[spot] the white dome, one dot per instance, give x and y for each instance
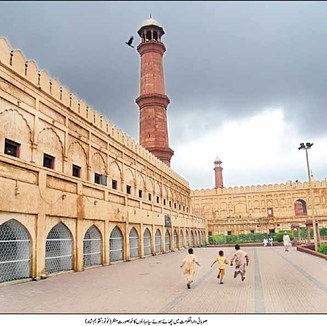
(149, 22)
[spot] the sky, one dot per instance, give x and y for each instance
(246, 80)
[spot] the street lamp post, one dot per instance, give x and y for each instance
(306, 147)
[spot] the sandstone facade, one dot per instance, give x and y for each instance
(263, 208)
(74, 185)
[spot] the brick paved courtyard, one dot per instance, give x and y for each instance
(276, 282)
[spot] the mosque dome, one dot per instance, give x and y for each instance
(150, 22)
(218, 160)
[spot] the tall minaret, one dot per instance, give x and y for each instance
(218, 173)
(153, 101)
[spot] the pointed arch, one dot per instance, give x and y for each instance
(115, 170)
(187, 239)
(15, 251)
(129, 177)
(50, 143)
(77, 155)
(157, 189)
(116, 244)
(167, 241)
(147, 242)
(191, 238)
(175, 239)
(92, 247)
(98, 163)
(59, 249)
(158, 241)
(52, 132)
(13, 123)
(164, 195)
(141, 183)
(115, 175)
(133, 243)
(14, 127)
(181, 239)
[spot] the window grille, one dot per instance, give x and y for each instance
(92, 247)
(175, 239)
(133, 244)
(116, 245)
(181, 240)
(15, 252)
(59, 250)
(167, 241)
(158, 241)
(147, 242)
(192, 240)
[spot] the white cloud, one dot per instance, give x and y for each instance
(261, 149)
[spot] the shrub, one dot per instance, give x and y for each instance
(217, 239)
(279, 236)
(242, 238)
(323, 231)
(323, 248)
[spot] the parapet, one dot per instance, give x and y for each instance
(289, 185)
(28, 70)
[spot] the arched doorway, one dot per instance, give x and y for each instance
(175, 239)
(133, 243)
(116, 245)
(147, 242)
(59, 250)
(167, 241)
(158, 241)
(187, 239)
(192, 239)
(15, 252)
(92, 247)
(181, 239)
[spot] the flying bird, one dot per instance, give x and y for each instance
(130, 41)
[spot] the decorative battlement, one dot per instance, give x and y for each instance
(289, 185)
(28, 70)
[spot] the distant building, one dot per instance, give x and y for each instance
(262, 208)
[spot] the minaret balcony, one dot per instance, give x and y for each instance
(153, 99)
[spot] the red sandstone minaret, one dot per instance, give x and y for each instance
(218, 173)
(153, 101)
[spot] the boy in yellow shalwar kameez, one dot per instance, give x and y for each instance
(189, 261)
(222, 261)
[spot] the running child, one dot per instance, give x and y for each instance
(189, 261)
(222, 261)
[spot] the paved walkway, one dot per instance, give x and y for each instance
(276, 282)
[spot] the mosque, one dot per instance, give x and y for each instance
(77, 192)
